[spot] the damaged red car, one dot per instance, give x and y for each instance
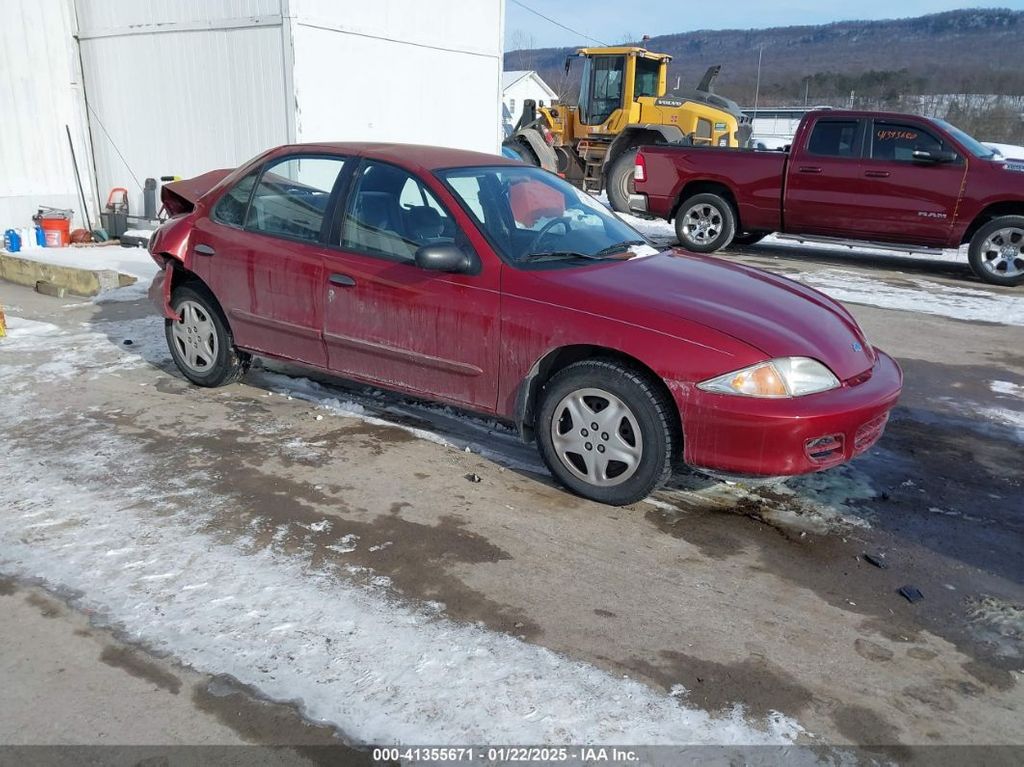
(478, 281)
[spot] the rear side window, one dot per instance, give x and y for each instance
(292, 195)
(898, 141)
(833, 138)
(231, 207)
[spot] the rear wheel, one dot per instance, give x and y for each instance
(200, 341)
(606, 432)
(619, 180)
(705, 223)
(996, 252)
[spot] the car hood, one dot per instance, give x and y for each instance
(780, 317)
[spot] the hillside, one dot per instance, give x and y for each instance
(966, 51)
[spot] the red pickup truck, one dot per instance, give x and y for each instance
(887, 179)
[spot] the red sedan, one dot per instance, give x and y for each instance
(478, 281)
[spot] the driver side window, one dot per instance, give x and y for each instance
(391, 214)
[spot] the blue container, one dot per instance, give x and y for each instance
(40, 236)
(12, 241)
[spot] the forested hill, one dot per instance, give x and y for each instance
(966, 51)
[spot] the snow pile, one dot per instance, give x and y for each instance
(132, 261)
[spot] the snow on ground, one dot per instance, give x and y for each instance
(87, 517)
(1008, 388)
(959, 303)
(133, 261)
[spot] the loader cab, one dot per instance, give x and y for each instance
(613, 79)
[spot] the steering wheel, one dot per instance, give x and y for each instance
(544, 230)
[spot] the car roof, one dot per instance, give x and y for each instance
(860, 114)
(411, 156)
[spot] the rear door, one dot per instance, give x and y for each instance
(390, 322)
(904, 199)
(820, 194)
(260, 252)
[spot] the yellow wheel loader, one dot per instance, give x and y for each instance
(623, 105)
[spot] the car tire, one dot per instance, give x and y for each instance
(748, 238)
(705, 223)
(999, 243)
(200, 340)
(619, 180)
(642, 430)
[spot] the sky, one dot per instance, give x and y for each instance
(611, 21)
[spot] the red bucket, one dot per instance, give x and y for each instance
(57, 231)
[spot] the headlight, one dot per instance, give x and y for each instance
(783, 377)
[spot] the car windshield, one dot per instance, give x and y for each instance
(969, 143)
(532, 216)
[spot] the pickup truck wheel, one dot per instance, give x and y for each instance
(619, 180)
(607, 432)
(200, 340)
(996, 252)
(705, 223)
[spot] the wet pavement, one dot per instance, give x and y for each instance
(719, 594)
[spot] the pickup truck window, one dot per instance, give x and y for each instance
(897, 141)
(972, 144)
(833, 138)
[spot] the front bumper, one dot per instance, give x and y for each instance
(781, 437)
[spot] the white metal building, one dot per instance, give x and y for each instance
(179, 87)
(516, 87)
(774, 126)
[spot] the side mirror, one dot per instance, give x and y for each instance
(445, 257)
(937, 156)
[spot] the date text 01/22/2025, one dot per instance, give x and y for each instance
(503, 754)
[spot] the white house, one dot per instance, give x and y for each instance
(179, 87)
(516, 87)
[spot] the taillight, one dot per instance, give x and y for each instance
(640, 168)
(548, 136)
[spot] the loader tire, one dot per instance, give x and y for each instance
(619, 180)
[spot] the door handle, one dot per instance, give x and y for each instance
(809, 169)
(877, 173)
(342, 280)
(204, 250)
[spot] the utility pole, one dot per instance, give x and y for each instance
(757, 87)
(807, 89)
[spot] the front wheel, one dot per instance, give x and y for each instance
(996, 253)
(200, 341)
(607, 432)
(705, 223)
(619, 180)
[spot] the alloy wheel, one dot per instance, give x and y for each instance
(702, 223)
(1002, 253)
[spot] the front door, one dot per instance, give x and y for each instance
(908, 199)
(261, 254)
(391, 322)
